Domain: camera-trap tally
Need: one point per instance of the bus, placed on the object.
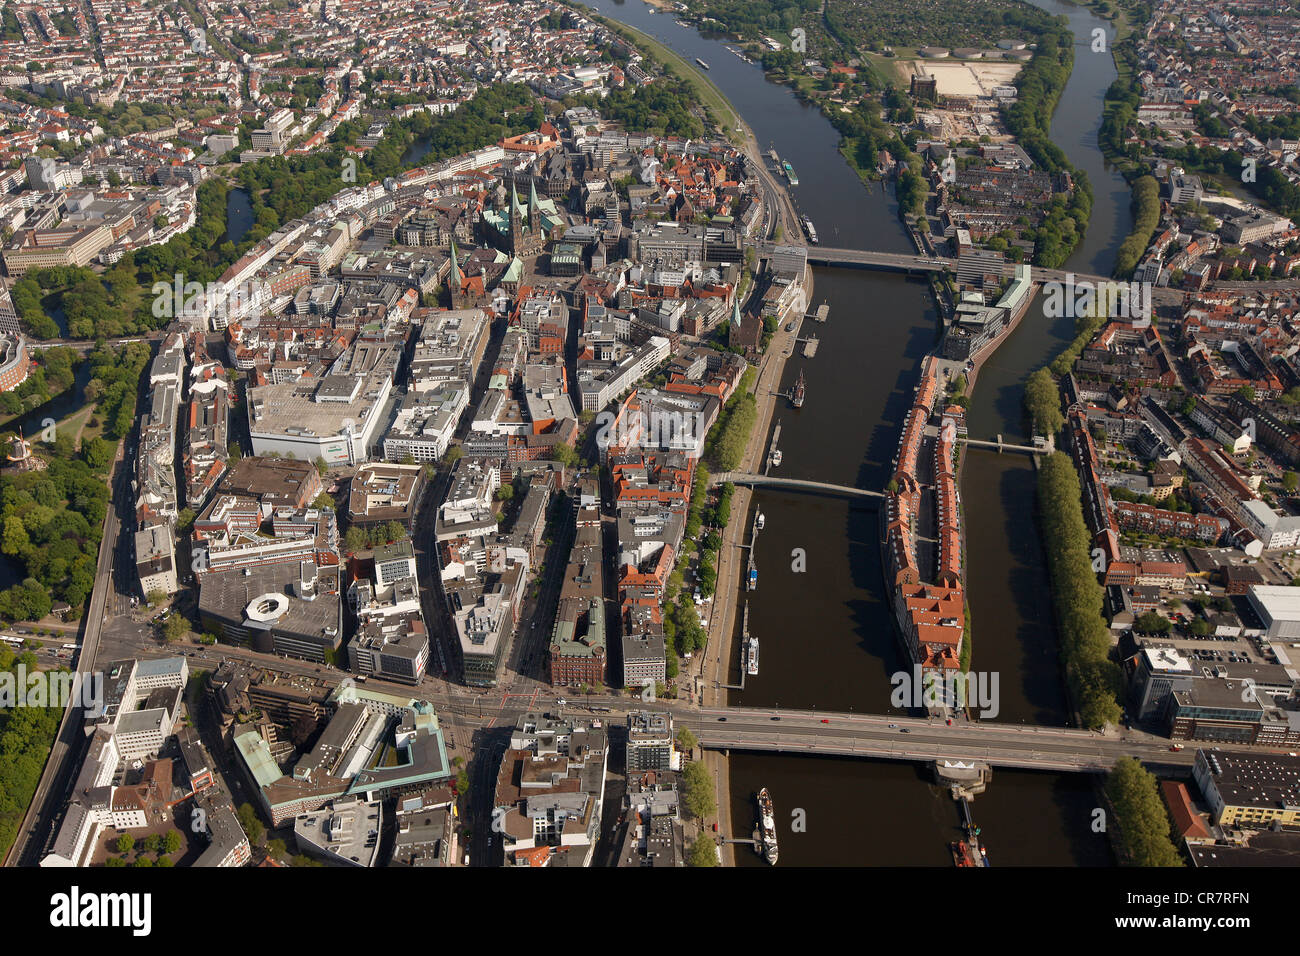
(69, 647)
(15, 641)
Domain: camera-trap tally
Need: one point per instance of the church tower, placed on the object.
(516, 223)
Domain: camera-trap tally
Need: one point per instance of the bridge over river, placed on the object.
(757, 481)
(912, 262)
(919, 739)
(847, 491)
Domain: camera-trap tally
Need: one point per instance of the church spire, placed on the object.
(514, 201)
(534, 211)
(455, 279)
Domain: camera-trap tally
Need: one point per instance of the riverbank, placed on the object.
(714, 662)
(709, 95)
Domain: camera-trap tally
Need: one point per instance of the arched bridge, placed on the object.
(756, 481)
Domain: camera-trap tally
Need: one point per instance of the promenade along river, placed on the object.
(826, 633)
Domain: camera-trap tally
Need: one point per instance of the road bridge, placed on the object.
(913, 262)
(918, 739)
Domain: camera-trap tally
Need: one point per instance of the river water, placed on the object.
(827, 637)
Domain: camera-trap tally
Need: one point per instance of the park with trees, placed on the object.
(1093, 678)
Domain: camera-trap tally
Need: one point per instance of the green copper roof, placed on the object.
(455, 269)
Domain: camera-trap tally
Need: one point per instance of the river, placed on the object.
(827, 638)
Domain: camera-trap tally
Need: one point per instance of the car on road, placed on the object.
(904, 730)
(893, 726)
(774, 718)
(825, 721)
(1176, 747)
(722, 720)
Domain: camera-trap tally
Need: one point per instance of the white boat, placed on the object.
(751, 657)
(776, 456)
(760, 521)
(767, 826)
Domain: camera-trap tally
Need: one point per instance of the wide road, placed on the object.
(69, 743)
(908, 738)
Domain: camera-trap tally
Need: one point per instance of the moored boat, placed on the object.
(767, 826)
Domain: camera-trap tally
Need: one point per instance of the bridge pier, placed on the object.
(965, 778)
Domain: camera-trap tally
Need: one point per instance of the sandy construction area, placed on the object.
(968, 77)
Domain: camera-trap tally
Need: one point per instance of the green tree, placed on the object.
(355, 539)
(1152, 623)
(703, 852)
(1289, 482)
(697, 788)
(1095, 680)
(175, 627)
(125, 843)
(253, 827)
(1043, 401)
(1143, 825)
(564, 454)
(16, 541)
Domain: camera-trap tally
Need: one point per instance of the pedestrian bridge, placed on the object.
(771, 481)
(1001, 446)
